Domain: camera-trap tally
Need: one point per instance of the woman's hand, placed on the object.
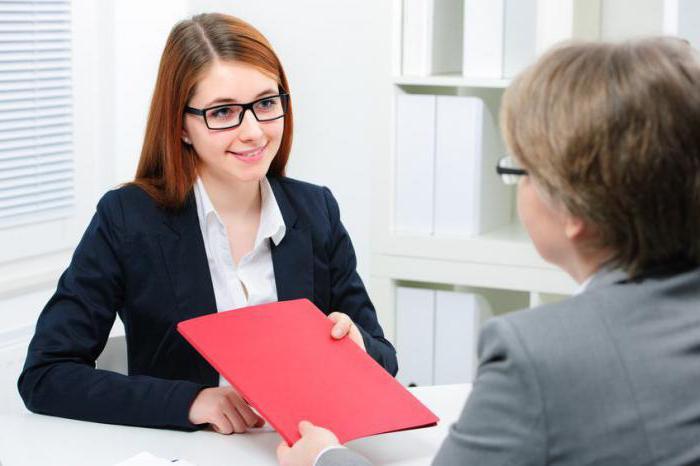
(304, 452)
(343, 326)
(225, 410)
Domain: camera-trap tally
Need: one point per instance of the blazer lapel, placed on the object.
(292, 258)
(186, 260)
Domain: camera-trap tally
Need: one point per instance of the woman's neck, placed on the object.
(233, 199)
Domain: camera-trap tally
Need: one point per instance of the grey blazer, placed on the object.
(607, 377)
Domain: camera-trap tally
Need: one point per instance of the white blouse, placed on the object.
(252, 281)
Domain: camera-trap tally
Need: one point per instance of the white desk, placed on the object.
(28, 439)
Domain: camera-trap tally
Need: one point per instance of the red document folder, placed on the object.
(282, 359)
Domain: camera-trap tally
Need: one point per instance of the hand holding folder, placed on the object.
(283, 361)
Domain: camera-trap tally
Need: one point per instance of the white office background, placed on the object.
(337, 55)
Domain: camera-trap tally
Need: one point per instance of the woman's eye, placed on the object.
(222, 113)
(267, 104)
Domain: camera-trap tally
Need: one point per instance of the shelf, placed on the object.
(473, 274)
(508, 245)
(451, 80)
(504, 258)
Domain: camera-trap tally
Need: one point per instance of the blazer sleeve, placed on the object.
(348, 293)
(59, 376)
(503, 421)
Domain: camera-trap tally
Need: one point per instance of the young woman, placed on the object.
(210, 223)
(607, 138)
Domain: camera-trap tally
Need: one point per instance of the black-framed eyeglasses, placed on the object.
(509, 170)
(229, 116)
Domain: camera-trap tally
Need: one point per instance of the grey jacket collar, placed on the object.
(606, 277)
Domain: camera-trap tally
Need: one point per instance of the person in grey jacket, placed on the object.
(605, 141)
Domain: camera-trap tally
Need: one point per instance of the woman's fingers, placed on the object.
(342, 324)
(225, 410)
(221, 424)
(236, 419)
(250, 418)
(356, 336)
(260, 423)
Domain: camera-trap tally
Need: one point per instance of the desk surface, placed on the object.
(28, 439)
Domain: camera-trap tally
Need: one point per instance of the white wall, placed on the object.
(140, 31)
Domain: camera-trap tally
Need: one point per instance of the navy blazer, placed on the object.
(149, 266)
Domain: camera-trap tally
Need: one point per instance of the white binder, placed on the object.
(415, 161)
(415, 315)
(430, 30)
(501, 37)
(483, 38)
(559, 20)
(470, 199)
(416, 32)
(458, 320)
(519, 39)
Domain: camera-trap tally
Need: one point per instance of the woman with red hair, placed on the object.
(210, 223)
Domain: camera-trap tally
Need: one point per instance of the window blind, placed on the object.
(36, 132)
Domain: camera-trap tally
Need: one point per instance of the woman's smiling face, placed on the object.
(240, 154)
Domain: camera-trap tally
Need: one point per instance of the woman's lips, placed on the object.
(250, 156)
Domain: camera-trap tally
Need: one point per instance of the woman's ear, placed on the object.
(185, 138)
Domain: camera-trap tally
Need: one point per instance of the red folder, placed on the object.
(282, 360)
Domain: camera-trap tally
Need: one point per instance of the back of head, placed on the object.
(612, 132)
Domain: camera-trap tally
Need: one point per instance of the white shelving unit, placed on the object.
(502, 265)
(450, 80)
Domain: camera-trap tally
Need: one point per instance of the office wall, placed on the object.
(140, 31)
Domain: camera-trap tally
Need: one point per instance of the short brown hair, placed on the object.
(612, 131)
(167, 167)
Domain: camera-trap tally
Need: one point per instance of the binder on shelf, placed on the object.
(415, 315)
(431, 37)
(469, 197)
(559, 20)
(458, 320)
(257, 349)
(414, 164)
(501, 37)
(483, 38)
(681, 19)
(519, 38)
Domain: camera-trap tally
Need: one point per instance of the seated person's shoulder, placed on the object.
(130, 194)
(538, 328)
(130, 205)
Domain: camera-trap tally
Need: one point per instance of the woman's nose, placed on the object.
(249, 127)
